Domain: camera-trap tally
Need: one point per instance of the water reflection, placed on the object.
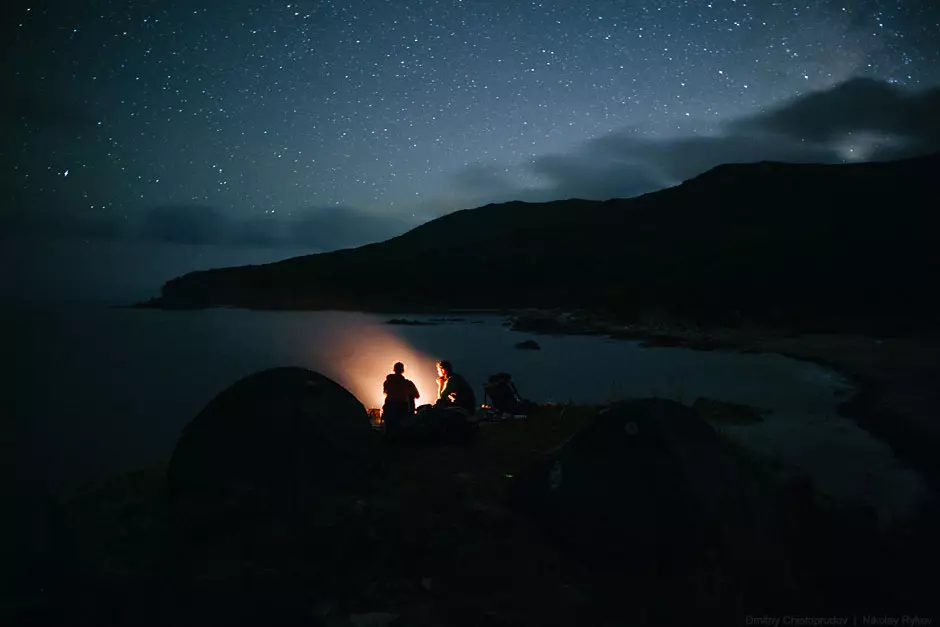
(111, 389)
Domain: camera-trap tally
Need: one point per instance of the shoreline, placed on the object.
(893, 400)
(893, 376)
(114, 532)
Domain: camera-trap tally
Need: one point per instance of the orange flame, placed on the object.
(367, 356)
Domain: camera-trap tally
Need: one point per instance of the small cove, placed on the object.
(105, 390)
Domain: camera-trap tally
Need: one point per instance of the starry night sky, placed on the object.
(329, 123)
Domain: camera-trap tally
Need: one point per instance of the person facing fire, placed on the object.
(400, 395)
(453, 390)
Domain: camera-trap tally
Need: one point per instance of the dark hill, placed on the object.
(837, 246)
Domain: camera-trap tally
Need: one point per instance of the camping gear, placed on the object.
(375, 417)
(277, 447)
(505, 402)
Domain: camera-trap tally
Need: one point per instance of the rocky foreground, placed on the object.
(282, 506)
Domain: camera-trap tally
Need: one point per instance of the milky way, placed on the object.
(407, 108)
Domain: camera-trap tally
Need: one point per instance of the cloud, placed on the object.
(860, 119)
(344, 227)
(184, 224)
(671, 161)
(595, 173)
(477, 176)
(907, 122)
(319, 228)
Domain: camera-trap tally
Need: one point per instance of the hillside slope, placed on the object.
(817, 245)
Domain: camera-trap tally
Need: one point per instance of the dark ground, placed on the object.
(433, 542)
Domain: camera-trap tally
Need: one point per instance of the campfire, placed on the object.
(367, 355)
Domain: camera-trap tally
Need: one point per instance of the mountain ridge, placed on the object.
(777, 242)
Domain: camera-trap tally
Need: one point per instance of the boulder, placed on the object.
(648, 487)
(275, 446)
(529, 345)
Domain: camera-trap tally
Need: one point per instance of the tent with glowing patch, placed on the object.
(650, 491)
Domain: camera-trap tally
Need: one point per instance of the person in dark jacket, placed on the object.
(400, 395)
(453, 390)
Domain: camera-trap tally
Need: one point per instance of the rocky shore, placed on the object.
(896, 377)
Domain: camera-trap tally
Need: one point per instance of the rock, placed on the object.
(539, 322)
(648, 485)
(529, 345)
(660, 340)
(275, 446)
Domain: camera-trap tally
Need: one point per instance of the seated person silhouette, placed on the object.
(400, 395)
(453, 390)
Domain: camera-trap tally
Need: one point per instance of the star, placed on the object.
(415, 113)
